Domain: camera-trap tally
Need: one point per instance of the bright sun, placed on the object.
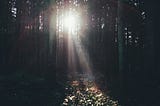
(71, 22)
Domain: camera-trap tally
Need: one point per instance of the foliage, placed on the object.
(80, 94)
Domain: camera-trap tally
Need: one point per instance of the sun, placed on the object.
(71, 22)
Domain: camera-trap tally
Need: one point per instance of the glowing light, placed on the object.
(71, 25)
(71, 22)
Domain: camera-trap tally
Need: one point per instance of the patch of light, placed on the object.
(14, 11)
(87, 94)
(71, 22)
(102, 26)
(13, 8)
(40, 23)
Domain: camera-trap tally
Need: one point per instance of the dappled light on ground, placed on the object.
(86, 94)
